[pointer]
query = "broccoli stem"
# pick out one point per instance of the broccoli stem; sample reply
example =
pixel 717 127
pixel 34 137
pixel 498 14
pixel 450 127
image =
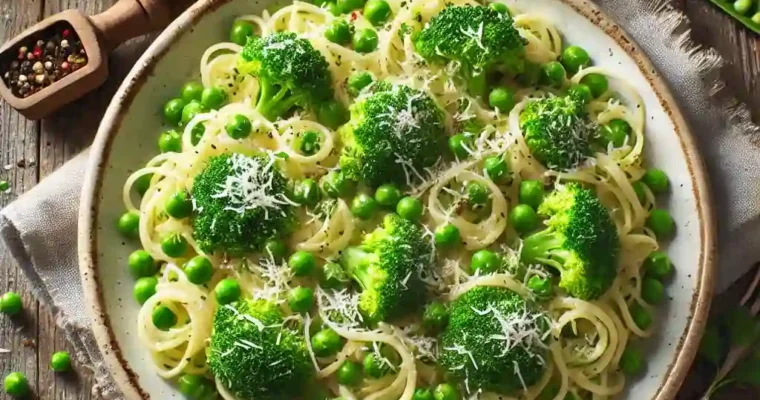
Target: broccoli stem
pixel 274 100
pixel 544 248
pixel 356 262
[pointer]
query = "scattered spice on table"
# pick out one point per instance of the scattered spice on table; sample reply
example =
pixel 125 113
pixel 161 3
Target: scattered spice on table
pixel 46 58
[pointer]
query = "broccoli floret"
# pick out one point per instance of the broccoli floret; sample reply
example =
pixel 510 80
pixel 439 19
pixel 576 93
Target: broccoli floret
pixel 394 133
pixel 495 341
pixel 290 70
pixel 557 131
pixel 240 202
pixel 256 355
pixel 580 241
pixel 479 39
pixel 386 266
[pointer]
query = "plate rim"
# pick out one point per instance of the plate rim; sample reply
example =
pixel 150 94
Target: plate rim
pixel 126 379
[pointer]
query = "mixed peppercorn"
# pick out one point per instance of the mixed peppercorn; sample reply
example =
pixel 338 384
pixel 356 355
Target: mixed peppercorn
pixel 43 60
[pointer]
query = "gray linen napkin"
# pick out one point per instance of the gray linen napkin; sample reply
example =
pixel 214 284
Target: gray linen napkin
pixel 39 228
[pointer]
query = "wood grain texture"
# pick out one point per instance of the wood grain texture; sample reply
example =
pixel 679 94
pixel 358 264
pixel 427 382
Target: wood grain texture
pixel 57 139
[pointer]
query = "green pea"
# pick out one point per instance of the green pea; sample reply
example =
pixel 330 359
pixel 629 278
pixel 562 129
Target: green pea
pixel 142 184
pixel 276 248
pixel 213 97
pixel 144 289
pixel 300 299
pixel 523 218
pixel 446 391
pixel 540 286
pixel 597 83
pixel 190 110
pixel 365 40
pixel 197 134
pixel 11 303
pixel 310 143
pixel 658 265
pixel 756 18
pixel 170 141
pixel 387 195
pixel 358 81
pixel 374 367
pixel 332 276
pixel 552 74
pixel 742 6
pixel 640 190
pixel 339 32
pixel 377 12
pixel 574 57
pixel 616 132
pixel 459 145
pixel 531 74
pixel 495 167
pixel 173 110
pixel 141 264
pixel 423 394
pixel 502 99
pixel 349 374
pixel 174 245
pixel 192 91
pixel 531 193
pixel 335 184
pixel 307 192
pixel 363 206
pixel 501 8
pixel 485 262
pixel 477 194
pixel 661 223
pixel 129 224
pixel 581 92
pixel 326 343
pixel 302 263
pixel 227 291
pixel 657 180
pixel 163 318
pixel 435 317
pixel 447 236
pixel 4 186
pixel 631 361
pixel 239 127
pixel 346 6
pixel 640 315
pixel 16 385
pixel 60 361
pixel 410 208
pixel 240 32
pixel 331 7
pixel 550 391
pixel 179 205
pixel 332 114
pixel 195 387
pixel 652 290
pixel 199 270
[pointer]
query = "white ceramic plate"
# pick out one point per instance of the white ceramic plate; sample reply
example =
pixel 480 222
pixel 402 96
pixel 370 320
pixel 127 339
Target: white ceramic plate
pixel 127 139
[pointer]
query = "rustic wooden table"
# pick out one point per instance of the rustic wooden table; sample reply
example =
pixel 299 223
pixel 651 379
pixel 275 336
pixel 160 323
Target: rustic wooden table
pixel 38 148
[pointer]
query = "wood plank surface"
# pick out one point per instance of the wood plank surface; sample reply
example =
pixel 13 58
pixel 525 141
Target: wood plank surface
pixel 46 145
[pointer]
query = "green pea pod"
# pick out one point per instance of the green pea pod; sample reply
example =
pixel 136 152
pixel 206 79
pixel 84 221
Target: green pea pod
pixel 711 347
pixel 743 328
pixel 749 17
pixel 747 372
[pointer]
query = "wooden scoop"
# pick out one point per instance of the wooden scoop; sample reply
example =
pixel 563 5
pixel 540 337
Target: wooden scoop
pixel 99 35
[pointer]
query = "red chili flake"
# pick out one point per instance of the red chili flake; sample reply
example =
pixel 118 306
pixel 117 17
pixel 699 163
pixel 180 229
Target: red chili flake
pixel 21 56
pixel 353 16
pixel 66 33
pixel 37 51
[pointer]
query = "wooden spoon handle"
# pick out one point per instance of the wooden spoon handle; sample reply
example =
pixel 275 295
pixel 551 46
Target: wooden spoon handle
pixel 131 18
